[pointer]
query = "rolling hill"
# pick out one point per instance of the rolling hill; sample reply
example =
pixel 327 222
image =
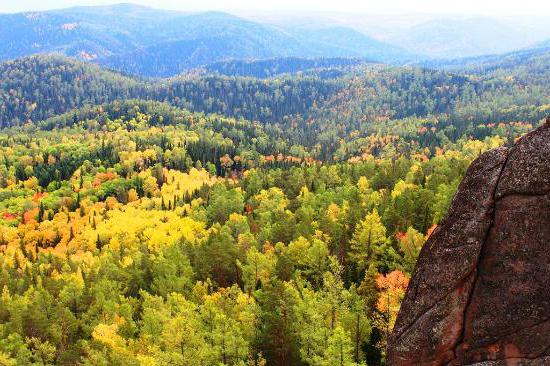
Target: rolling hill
pixel 535 59
pixel 38 87
pixel 323 67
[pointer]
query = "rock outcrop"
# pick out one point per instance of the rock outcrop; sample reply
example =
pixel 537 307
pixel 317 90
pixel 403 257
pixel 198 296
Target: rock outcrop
pixel 480 293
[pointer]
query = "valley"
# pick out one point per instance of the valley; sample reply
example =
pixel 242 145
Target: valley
pixel 256 198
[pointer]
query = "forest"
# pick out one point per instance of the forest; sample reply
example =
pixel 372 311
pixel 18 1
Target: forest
pixel 243 214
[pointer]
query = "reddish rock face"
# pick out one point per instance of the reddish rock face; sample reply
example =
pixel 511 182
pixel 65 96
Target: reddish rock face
pixel 480 293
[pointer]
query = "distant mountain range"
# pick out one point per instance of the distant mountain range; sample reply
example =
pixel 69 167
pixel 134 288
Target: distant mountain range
pixel 157 43
pixel 469 37
pixel 149 42
pixel 432 36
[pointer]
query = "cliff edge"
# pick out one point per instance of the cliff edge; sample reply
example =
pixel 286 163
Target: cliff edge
pixel 480 292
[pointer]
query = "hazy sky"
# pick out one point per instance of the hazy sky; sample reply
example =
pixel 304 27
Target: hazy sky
pixel 485 7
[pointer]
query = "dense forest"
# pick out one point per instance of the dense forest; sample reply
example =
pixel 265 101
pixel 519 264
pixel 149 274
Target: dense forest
pixel 321 67
pixel 39 87
pixel 265 218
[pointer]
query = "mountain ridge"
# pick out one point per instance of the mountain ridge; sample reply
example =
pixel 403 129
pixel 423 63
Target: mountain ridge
pixel 117 35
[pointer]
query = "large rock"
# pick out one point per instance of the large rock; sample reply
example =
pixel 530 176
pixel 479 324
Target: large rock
pixel 480 293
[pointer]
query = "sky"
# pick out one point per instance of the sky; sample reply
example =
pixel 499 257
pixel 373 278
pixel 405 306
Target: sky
pixel 466 7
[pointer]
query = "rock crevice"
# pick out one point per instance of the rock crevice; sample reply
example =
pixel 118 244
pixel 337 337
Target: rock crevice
pixel 477 267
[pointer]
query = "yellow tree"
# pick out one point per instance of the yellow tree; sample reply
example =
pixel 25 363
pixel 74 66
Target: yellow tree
pixel 258 267
pixel 369 236
pixel 410 244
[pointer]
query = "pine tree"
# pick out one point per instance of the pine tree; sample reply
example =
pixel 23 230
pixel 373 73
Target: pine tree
pixel 98 243
pixel 41 212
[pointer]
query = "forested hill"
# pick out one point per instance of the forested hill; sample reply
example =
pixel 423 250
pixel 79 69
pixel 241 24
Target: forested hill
pixel 323 67
pixel 482 64
pixel 38 87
